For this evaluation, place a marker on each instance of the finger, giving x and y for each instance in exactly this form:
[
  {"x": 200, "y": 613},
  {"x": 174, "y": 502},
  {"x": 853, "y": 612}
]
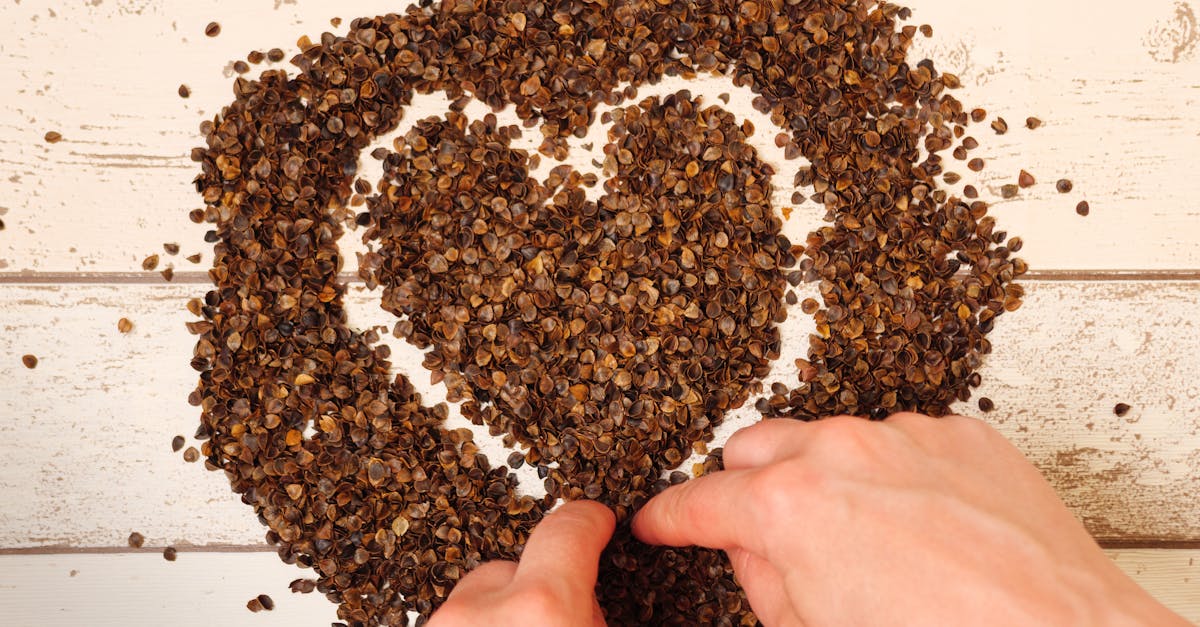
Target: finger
[
  {"x": 564, "y": 549},
  {"x": 486, "y": 579},
  {"x": 764, "y": 442},
  {"x": 716, "y": 511},
  {"x": 765, "y": 589}
]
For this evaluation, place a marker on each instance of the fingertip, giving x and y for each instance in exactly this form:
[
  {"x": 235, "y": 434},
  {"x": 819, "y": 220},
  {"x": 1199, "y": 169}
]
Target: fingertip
[
  {"x": 483, "y": 579},
  {"x": 639, "y": 526},
  {"x": 568, "y": 542},
  {"x": 645, "y": 523},
  {"x": 594, "y": 516},
  {"x": 702, "y": 511},
  {"x": 594, "y": 509}
]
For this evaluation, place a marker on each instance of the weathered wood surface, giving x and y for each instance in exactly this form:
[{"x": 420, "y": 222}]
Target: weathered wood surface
[
  {"x": 85, "y": 436},
  {"x": 1119, "y": 98},
  {"x": 205, "y": 589}
]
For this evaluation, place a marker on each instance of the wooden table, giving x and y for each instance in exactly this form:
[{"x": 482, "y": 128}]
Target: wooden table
[{"x": 1111, "y": 315}]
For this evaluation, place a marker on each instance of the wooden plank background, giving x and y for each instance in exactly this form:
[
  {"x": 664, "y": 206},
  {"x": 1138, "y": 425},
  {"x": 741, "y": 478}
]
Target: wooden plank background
[
  {"x": 102, "y": 406},
  {"x": 84, "y": 438}
]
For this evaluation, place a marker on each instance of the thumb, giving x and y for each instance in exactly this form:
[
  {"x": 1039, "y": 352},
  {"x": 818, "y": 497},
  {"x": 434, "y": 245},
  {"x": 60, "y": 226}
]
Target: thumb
[{"x": 563, "y": 552}]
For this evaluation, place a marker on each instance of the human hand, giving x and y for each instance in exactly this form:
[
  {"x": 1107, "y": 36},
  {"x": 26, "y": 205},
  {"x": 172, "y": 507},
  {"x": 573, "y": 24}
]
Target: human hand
[
  {"x": 554, "y": 583},
  {"x": 913, "y": 520}
]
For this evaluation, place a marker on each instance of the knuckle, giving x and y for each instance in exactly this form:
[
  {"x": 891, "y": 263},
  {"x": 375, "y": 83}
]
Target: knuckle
[
  {"x": 776, "y": 490},
  {"x": 742, "y": 438},
  {"x": 847, "y": 437},
  {"x": 972, "y": 426}
]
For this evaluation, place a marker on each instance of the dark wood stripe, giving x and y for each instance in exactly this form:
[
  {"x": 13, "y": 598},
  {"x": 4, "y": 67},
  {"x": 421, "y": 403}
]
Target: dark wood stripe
[
  {"x": 191, "y": 277},
  {"x": 92, "y": 278},
  {"x": 1113, "y": 275},
  {"x": 1147, "y": 543}
]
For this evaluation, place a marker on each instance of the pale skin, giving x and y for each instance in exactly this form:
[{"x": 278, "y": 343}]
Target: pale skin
[{"x": 913, "y": 521}]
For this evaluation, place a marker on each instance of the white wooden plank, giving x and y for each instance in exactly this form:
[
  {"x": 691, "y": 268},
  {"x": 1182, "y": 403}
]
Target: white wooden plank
[
  {"x": 196, "y": 590},
  {"x": 84, "y": 438},
  {"x": 203, "y": 589},
  {"x": 1119, "y": 121},
  {"x": 1062, "y": 362}
]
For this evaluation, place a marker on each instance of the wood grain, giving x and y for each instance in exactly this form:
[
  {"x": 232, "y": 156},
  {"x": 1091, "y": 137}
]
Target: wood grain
[
  {"x": 1120, "y": 120},
  {"x": 84, "y": 438},
  {"x": 203, "y": 589}
]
